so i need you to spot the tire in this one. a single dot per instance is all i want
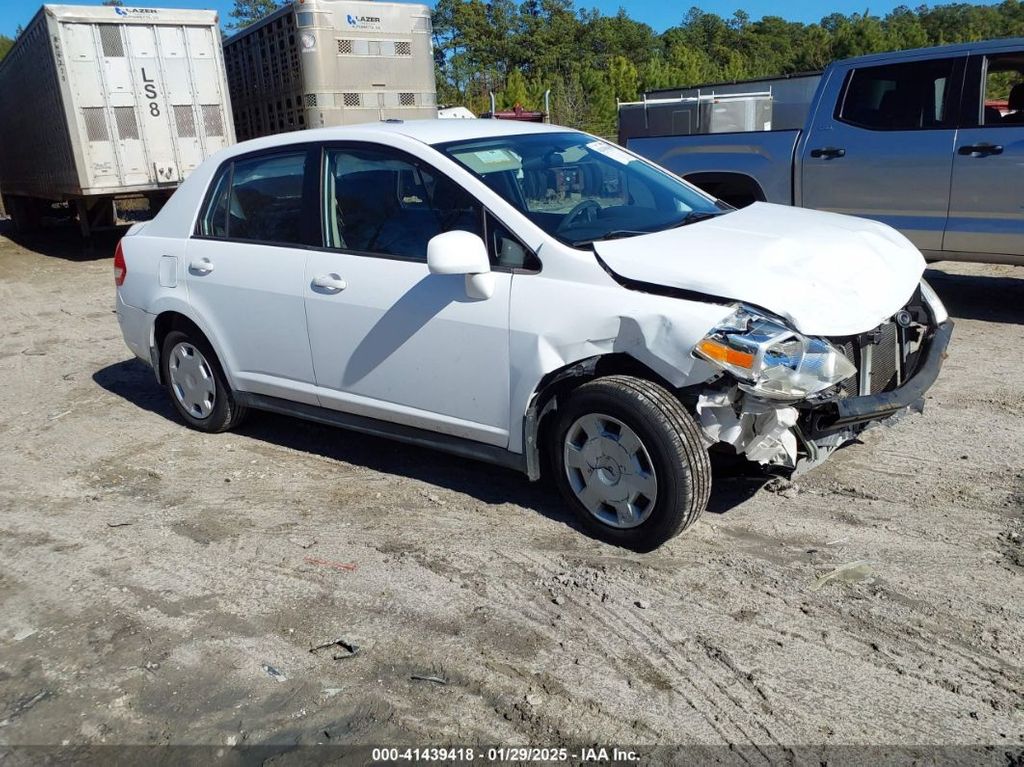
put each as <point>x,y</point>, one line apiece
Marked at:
<point>187,353</point>
<point>592,451</point>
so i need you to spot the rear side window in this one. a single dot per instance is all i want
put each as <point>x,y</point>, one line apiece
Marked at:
<point>266,199</point>
<point>1003,102</point>
<point>258,200</point>
<point>914,96</point>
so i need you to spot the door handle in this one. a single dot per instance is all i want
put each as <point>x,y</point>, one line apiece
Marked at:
<point>980,150</point>
<point>202,266</point>
<point>828,152</point>
<point>329,283</point>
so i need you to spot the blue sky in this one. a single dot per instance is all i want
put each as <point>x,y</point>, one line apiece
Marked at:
<point>657,13</point>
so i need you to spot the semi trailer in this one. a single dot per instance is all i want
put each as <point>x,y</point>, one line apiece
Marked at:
<point>322,63</point>
<point>99,104</point>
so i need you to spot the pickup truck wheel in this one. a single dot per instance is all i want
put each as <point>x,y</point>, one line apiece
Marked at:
<point>196,383</point>
<point>630,461</point>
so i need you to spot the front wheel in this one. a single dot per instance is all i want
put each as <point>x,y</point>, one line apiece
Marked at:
<point>630,461</point>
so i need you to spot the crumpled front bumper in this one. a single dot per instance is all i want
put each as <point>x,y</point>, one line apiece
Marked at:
<point>849,412</point>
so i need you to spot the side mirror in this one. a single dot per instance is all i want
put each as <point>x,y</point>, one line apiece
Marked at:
<point>459,252</point>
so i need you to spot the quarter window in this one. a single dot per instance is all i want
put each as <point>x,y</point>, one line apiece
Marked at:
<point>507,250</point>
<point>386,203</point>
<point>913,96</point>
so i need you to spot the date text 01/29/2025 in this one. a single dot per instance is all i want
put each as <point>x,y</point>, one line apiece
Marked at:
<point>503,754</point>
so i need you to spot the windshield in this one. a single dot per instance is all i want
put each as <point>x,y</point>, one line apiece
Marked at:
<point>580,189</point>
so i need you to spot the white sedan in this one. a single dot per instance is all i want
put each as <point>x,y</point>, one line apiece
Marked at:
<point>531,296</point>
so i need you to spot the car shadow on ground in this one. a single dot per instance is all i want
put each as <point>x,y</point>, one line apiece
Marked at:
<point>64,240</point>
<point>133,381</point>
<point>980,297</point>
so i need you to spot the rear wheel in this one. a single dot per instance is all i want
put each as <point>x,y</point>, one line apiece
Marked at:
<point>630,461</point>
<point>198,388</point>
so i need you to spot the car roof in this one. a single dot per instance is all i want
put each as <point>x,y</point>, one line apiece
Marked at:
<point>426,131</point>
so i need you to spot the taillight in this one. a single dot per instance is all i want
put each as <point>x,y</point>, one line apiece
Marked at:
<point>120,270</point>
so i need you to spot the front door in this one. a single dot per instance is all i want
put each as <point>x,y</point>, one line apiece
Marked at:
<point>246,272</point>
<point>886,150</point>
<point>986,208</point>
<point>390,340</point>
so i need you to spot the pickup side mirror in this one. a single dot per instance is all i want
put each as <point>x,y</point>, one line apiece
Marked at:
<point>459,252</point>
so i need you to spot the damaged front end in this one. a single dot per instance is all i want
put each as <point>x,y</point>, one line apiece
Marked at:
<point>787,400</point>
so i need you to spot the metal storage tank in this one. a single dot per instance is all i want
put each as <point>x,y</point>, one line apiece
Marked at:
<point>318,63</point>
<point>98,103</point>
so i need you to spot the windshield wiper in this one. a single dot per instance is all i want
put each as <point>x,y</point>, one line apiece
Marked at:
<point>696,215</point>
<point>614,234</point>
<point>690,218</point>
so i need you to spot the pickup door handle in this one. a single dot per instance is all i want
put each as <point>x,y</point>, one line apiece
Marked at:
<point>329,283</point>
<point>828,152</point>
<point>202,266</point>
<point>980,150</point>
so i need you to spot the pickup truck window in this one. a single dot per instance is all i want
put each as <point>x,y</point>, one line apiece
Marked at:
<point>1004,90</point>
<point>913,96</point>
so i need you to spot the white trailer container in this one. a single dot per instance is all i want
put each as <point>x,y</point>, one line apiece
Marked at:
<point>101,103</point>
<point>317,63</point>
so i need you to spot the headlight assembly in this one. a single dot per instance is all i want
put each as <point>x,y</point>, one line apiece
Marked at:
<point>937,307</point>
<point>771,359</point>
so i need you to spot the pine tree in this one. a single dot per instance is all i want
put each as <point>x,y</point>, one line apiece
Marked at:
<point>247,12</point>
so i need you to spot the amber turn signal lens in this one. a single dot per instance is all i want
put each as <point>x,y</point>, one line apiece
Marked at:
<point>721,353</point>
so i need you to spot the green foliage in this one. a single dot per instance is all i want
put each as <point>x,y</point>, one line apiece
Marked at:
<point>247,12</point>
<point>6,44</point>
<point>515,92</point>
<point>589,61</point>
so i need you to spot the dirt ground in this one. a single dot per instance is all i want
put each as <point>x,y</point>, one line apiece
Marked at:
<point>158,585</point>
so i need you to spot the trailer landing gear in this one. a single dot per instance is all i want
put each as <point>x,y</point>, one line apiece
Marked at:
<point>95,214</point>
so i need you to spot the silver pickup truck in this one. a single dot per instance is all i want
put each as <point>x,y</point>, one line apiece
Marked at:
<point>929,141</point>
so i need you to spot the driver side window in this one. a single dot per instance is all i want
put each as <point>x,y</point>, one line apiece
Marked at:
<point>382,202</point>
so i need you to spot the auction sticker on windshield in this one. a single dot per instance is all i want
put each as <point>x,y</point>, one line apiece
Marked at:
<point>611,152</point>
<point>490,160</point>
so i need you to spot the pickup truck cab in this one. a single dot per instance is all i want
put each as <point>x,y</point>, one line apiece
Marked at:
<point>929,141</point>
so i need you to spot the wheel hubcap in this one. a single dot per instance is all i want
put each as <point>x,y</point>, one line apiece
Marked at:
<point>192,381</point>
<point>610,470</point>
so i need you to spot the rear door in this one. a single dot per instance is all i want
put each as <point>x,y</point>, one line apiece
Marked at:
<point>885,151</point>
<point>986,210</point>
<point>246,265</point>
<point>95,64</point>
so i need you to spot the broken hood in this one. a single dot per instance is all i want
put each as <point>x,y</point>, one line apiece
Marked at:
<point>829,275</point>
